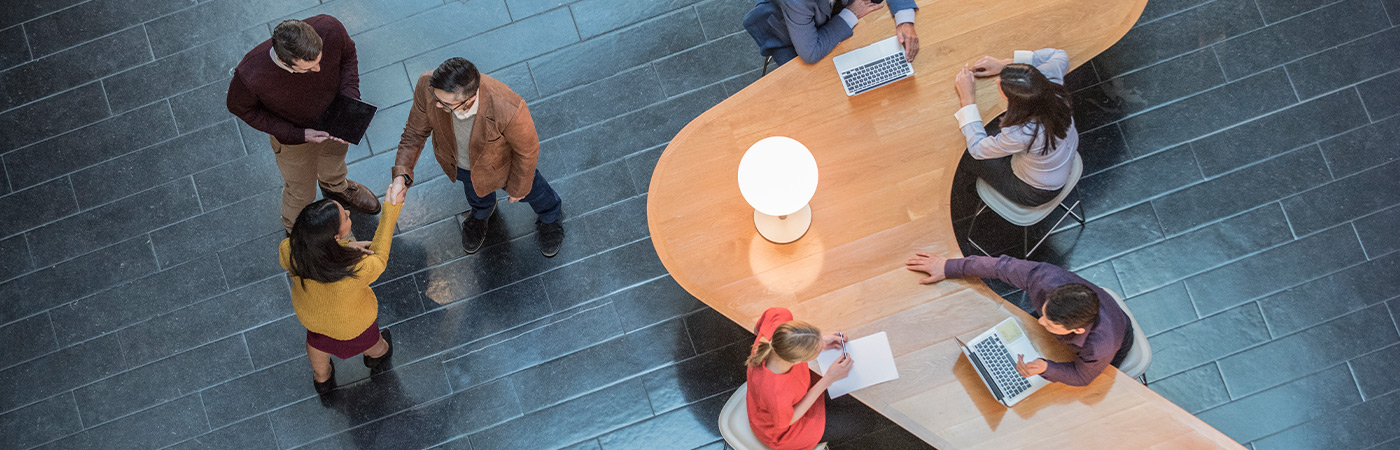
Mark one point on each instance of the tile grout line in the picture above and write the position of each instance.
(52, 328)
(1287, 220)
(246, 348)
(1364, 252)
(208, 426)
(1291, 85)
(1357, 88)
(1220, 66)
(197, 199)
(24, 34)
(149, 45)
(1262, 19)
(171, 109)
(102, 83)
(1354, 380)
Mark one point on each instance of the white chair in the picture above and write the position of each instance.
(734, 423)
(1140, 356)
(1026, 216)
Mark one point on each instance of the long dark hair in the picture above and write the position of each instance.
(1033, 98)
(315, 254)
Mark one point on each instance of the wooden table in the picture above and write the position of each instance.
(886, 160)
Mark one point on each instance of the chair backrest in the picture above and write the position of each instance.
(1140, 356)
(734, 423)
(1023, 215)
(765, 25)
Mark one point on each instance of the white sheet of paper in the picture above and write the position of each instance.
(874, 364)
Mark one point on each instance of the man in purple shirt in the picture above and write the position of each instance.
(1079, 314)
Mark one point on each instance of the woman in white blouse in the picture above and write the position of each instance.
(1030, 160)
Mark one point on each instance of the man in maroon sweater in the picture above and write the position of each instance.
(1080, 315)
(280, 89)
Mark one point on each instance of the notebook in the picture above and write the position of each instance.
(347, 119)
(874, 364)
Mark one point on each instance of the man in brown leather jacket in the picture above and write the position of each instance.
(483, 135)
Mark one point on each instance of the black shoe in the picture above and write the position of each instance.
(551, 236)
(324, 387)
(374, 363)
(474, 231)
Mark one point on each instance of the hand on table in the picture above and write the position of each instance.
(863, 7)
(929, 264)
(963, 83)
(908, 38)
(989, 66)
(1028, 369)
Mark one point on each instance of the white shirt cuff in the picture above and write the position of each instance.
(904, 16)
(849, 17)
(968, 114)
(1023, 57)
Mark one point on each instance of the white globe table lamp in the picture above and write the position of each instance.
(778, 176)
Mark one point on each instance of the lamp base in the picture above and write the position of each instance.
(784, 229)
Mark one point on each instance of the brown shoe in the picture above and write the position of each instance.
(356, 197)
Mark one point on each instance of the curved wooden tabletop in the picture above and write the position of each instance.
(886, 160)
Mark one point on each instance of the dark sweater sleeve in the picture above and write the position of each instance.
(1016, 272)
(349, 65)
(242, 103)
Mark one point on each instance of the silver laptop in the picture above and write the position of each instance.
(993, 354)
(872, 66)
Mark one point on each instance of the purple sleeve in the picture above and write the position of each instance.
(242, 103)
(1088, 363)
(1016, 272)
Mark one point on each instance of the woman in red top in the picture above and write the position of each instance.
(787, 410)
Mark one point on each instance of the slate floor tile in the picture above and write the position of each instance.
(386, 86)
(1266, 136)
(596, 17)
(137, 300)
(163, 380)
(1338, 67)
(27, 339)
(652, 302)
(277, 341)
(1208, 111)
(1344, 199)
(41, 422)
(250, 395)
(1377, 232)
(709, 63)
(211, 20)
(1102, 148)
(1101, 238)
(1309, 351)
(422, 426)
(176, 73)
(75, 278)
(1373, 372)
(554, 381)
(503, 46)
(710, 330)
(1277, 268)
(683, 428)
(202, 106)
(888, 438)
(1158, 9)
(599, 57)
(36, 380)
(1362, 148)
(51, 116)
(1381, 96)
(1359, 426)
(1163, 309)
(692, 380)
(144, 211)
(1145, 89)
(520, 9)
(251, 261)
(251, 434)
(1181, 33)
(348, 406)
(89, 145)
(1205, 340)
(1275, 11)
(593, 414)
(561, 337)
(89, 20)
(1299, 401)
(640, 166)
(42, 204)
(1337, 294)
(13, 49)
(73, 67)
(722, 17)
(242, 221)
(596, 102)
(239, 179)
(1134, 182)
(1300, 36)
(600, 275)
(1193, 390)
(625, 135)
(206, 321)
(422, 32)
(159, 426)
(1158, 264)
(1261, 183)
(361, 16)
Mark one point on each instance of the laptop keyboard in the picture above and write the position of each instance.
(877, 73)
(1001, 366)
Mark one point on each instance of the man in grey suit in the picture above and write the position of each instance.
(814, 27)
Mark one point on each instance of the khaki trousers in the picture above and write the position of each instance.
(303, 167)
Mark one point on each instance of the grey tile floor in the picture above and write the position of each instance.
(1240, 187)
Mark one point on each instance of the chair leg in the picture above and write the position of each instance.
(765, 65)
(1069, 211)
(1143, 379)
(972, 225)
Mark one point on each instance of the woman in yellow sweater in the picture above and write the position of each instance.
(330, 287)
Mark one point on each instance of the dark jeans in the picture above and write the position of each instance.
(997, 172)
(1127, 345)
(541, 198)
(847, 418)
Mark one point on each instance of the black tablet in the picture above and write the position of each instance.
(347, 118)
